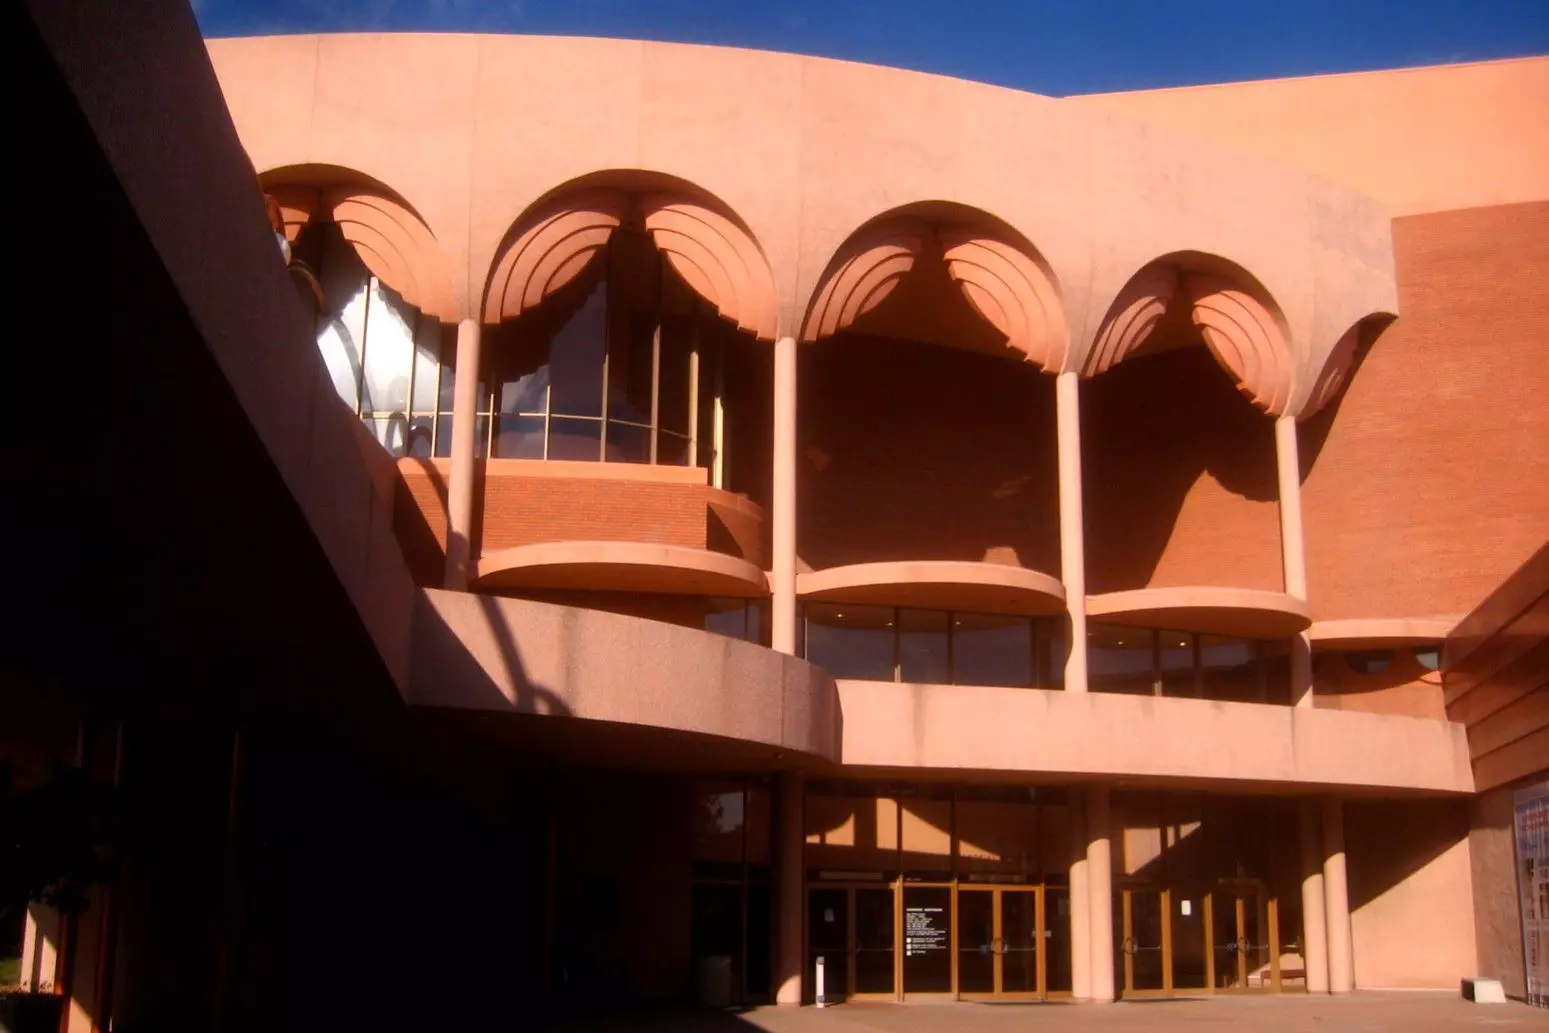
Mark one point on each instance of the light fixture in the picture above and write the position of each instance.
(839, 616)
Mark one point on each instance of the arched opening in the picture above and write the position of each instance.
(1179, 482)
(626, 321)
(927, 444)
(372, 279)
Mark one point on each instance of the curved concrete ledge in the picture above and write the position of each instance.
(937, 585)
(1237, 612)
(1097, 734)
(621, 567)
(479, 652)
(1380, 633)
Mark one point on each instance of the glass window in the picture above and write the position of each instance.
(1428, 657)
(575, 359)
(1052, 651)
(519, 437)
(673, 401)
(575, 439)
(1175, 663)
(389, 351)
(851, 641)
(727, 617)
(990, 650)
(1369, 661)
(1230, 669)
(922, 647)
(628, 443)
(1119, 659)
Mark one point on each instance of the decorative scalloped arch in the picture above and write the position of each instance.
(1012, 292)
(551, 250)
(877, 261)
(716, 258)
(1245, 338)
(1132, 317)
(713, 254)
(1335, 370)
(389, 238)
(1009, 288)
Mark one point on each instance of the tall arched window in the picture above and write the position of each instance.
(626, 364)
(383, 355)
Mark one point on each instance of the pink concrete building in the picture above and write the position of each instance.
(794, 517)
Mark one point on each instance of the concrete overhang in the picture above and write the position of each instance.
(1235, 612)
(1380, 633)
(937, 585)
(621, 567)
(1056, 735)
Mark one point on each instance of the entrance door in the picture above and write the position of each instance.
(1245, 937)
(1142, 932)
(998, 936)
(852, 929)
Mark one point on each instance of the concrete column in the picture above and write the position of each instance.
(1099, 875)
(1293, 550)
(783, 519)
(1336, 896)
(1314, 924)
(1072, 537)
(790, 891)
(459, 493)
(1080, 902)
(40, 948)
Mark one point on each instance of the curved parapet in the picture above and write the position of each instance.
(1380, 633)
(621, 567)
(937, 585)
(1236, 612)
(518, 657)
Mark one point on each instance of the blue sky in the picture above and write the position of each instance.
(1075, 46)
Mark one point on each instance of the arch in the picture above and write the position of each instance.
(1236, 318)
(389, 236)
(713, 253)
(1001, 275)
(1341, 360)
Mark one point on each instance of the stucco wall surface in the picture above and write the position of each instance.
(516, 656)
(1418, 139)
(995, 729)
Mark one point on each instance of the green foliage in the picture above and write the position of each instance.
(59, 838)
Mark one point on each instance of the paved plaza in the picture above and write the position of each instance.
(1411, 1012)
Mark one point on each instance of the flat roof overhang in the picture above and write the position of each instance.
(1381, 633)
(1232, 612)
(937, 585)
(621, 567)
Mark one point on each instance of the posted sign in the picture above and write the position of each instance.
(1532, 828)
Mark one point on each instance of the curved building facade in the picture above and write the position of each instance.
(867, 535)
(1041, 426)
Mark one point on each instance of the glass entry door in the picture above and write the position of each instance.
(852, 928)
(998, 935)
(1142, 935)
(1246, 936)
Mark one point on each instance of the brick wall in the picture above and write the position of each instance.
(520, 502)
(1428, 480)
(1179, 478)
(918, 451)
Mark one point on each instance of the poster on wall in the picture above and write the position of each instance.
(1532, 834)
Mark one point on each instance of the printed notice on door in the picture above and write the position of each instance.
(925, 930)
(1532, 814)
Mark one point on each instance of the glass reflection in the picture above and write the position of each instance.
(991, 650)
(922, 647)
(1119, 659)
(851, 641)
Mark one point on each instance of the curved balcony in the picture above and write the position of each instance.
(620, 567)
(1381, 633)
(642, 689)
(1231, 612)
(937, 585)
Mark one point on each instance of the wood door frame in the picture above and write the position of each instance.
(997, 891)
(849, 888)
(1127, 927)
(1241, 891)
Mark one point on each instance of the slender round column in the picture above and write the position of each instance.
(459, 492)
(1314, 926)
(1099, 874)
(1080, 902)
(783, 519)
(1336, 895)
(790, 893)
(1072, 539)
(1293, 551)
